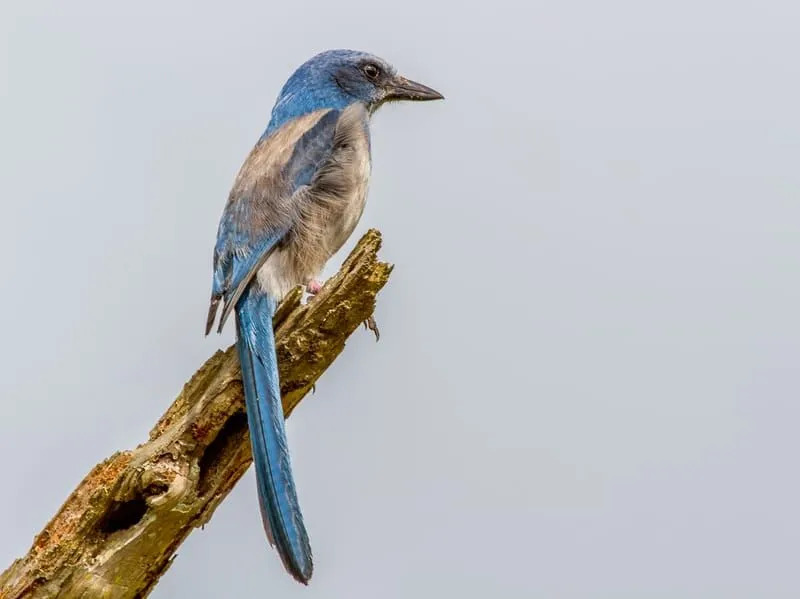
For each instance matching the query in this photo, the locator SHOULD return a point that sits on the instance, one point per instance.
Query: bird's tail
(280, 510)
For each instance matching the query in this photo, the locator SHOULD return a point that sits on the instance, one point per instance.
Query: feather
(280, 510)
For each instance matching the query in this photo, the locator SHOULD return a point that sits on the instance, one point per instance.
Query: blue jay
(295, 201)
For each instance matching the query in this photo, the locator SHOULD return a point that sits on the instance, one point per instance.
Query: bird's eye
(371, 71)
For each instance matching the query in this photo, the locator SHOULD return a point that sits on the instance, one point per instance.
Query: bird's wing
(262, 207)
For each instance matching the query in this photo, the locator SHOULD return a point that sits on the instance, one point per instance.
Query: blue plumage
(316, 84)
(312, 150)
(294, 202)
(277, 496)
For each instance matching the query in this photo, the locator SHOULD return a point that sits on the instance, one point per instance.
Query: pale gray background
(587, 384)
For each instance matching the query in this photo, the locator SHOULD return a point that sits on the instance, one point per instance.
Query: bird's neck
(295, 103)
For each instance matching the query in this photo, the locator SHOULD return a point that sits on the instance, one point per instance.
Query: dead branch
(118, 531)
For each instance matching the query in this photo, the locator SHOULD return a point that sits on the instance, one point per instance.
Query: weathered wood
(117, 533)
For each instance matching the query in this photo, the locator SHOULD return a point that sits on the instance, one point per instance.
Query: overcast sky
(588, 380)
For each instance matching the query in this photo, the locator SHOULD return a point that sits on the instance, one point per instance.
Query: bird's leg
(313, 287)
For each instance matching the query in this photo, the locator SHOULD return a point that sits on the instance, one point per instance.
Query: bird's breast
(355, 198)
(330, 208)
(341, 192)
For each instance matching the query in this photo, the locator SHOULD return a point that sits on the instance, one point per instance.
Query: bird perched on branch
(295, 201)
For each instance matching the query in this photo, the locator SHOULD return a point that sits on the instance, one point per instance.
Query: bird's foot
(313, 287)
(370, 324)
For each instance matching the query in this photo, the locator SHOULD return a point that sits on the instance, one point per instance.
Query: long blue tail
(280, 510)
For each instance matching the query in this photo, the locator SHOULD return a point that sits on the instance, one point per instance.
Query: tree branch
(117, 533)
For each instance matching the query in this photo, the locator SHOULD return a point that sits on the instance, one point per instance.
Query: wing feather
(264, 204)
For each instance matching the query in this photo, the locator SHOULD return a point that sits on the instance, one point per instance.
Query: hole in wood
(156, 489)
(122, 515)
(230, 436)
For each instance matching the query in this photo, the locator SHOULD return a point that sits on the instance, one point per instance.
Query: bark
(118, 531)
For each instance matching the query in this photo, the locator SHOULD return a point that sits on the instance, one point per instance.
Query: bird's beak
(400, 88)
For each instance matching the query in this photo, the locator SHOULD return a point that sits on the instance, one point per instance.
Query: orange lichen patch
(66, 522)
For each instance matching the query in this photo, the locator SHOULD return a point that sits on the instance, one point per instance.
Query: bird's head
(338, 78)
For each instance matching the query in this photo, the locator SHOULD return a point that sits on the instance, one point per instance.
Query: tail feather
(280, 510)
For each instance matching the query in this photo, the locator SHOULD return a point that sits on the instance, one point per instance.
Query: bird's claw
(370, 324)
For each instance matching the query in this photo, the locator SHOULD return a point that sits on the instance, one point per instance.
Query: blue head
(338, 78)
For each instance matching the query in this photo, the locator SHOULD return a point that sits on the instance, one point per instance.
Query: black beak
(400, 88)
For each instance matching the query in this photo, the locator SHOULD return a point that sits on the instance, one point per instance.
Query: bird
(295, 201)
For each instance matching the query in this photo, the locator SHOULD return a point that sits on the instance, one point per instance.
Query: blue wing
(256, 217)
